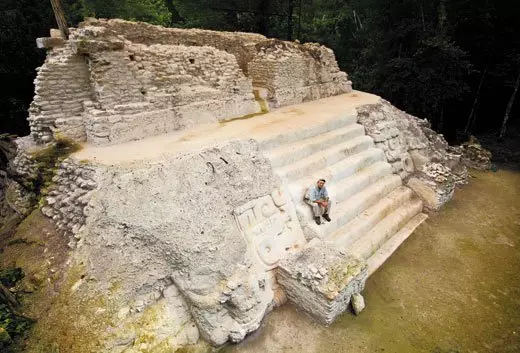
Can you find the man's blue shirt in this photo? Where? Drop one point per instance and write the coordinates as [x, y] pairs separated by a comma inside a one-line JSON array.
[[315, 193]]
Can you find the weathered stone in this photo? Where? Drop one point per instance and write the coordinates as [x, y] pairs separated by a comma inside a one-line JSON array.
[[415, 152], [434, 185], [358, 303], [323, 297], [149, 80], [195, 235], [475, 156], [49, 42]]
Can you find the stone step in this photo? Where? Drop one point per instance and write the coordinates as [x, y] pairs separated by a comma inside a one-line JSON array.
[[345, 211], [348, 186], [335, 173], [390, 246], [367, 219], [368, 244], [291, 152], [307, 132], [325, 158]]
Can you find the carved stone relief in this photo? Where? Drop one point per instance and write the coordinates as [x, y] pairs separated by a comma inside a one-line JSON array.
[[270, 227]]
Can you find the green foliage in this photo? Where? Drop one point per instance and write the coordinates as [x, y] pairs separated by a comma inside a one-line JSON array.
[[9, 276], [151, 11], [12, 325]]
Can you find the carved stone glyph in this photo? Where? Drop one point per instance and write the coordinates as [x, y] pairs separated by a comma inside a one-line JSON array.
[[270, 227]]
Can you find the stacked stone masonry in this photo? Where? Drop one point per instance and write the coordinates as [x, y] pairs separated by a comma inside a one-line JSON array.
[[67, 202], [115, 81], [293, 73], [321, 280], [241, 45], [61, 86]]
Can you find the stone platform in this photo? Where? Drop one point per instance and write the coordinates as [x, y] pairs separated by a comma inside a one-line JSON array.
[[373, 213]]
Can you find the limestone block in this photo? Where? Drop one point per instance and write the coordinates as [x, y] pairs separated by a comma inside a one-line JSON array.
[[49, 42], [321, 280], [418, 159], [55, 33], [434, 185]]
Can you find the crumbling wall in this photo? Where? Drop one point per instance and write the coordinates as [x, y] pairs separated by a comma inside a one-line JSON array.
[[145, 90], [115, 81], [69, 196], [422, 158], [140, 90], [62, 85], [293, 73], [241, 45]]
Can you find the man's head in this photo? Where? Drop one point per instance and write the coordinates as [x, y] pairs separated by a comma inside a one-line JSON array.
[[321, 183]]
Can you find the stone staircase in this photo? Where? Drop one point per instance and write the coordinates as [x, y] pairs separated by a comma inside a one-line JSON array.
[[372, 212]]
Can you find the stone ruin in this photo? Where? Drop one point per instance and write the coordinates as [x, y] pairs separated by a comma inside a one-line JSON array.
[[115, 81], [185, 208]]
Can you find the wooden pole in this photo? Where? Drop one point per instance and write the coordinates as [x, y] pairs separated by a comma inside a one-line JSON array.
[[60, 18]]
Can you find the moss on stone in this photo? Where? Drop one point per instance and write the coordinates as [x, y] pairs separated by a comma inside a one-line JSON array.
[[341, 274], [263, 104], [47, 161], [76, 323]]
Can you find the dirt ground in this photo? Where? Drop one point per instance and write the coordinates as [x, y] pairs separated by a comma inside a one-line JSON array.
[[453, 286]]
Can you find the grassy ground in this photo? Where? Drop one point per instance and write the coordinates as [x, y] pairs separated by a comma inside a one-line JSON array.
[[36, 248], [453, 286]]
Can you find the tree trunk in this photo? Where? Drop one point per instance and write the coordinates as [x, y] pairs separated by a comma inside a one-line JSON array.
[[509, 106], [300, 21], [261, 18], [175, 16], [468, 124], [290, 20], [440, 126], [60, 18]]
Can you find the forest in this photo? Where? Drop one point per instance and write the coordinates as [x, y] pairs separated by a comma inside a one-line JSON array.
[[453, 62]]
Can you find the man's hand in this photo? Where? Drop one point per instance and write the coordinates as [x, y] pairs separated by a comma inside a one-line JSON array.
[[322, 203]]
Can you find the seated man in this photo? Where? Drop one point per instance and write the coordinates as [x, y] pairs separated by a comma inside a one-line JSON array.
[[318, 198]]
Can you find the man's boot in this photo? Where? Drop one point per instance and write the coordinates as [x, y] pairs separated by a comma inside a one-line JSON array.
[[326, 216], [318, 220]]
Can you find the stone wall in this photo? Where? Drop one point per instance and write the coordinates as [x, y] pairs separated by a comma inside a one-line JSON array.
[[69, 196], [149, 90], [241, 45], [133, 90], [61, 86], [115, 81], [293, 73], [422, 158]]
